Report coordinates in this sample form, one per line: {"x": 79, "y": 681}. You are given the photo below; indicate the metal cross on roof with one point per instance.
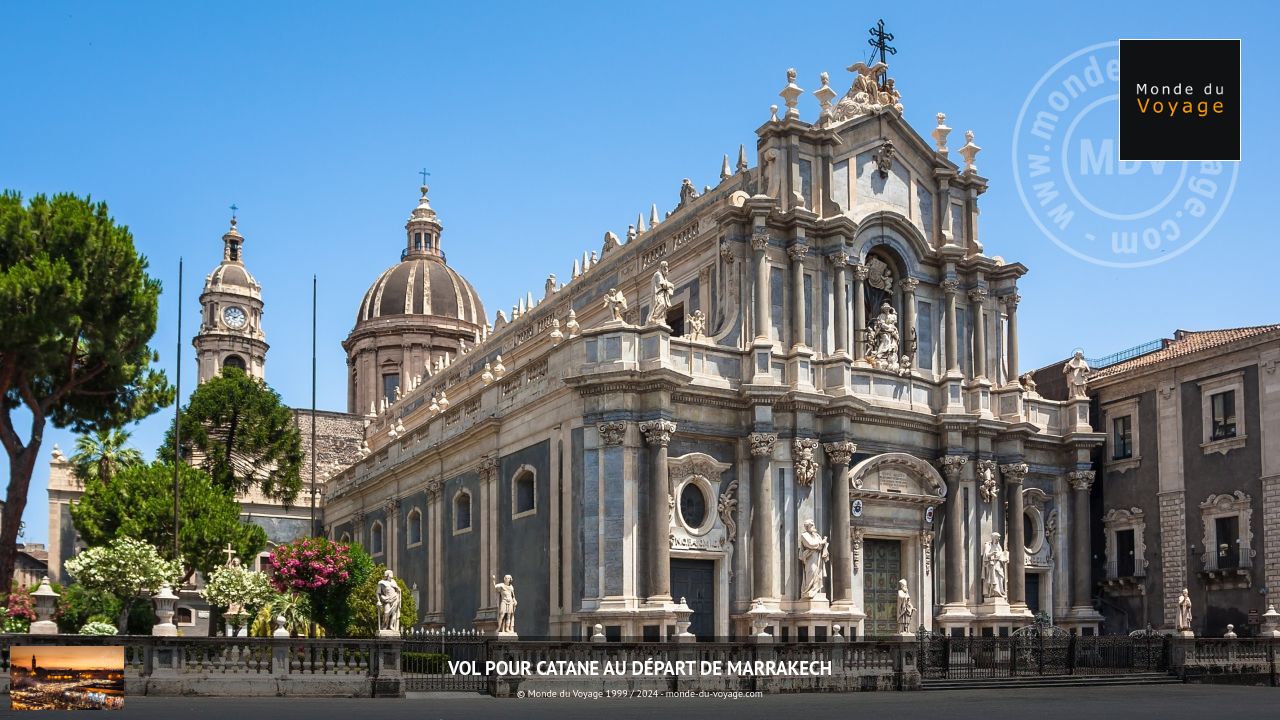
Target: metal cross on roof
{"x": 233, "y": 211}
{"x": 423, "y": 172}
{"x": 879, "y": 42}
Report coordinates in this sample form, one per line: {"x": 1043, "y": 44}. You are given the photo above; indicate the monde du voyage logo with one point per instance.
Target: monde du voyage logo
{"x": 1124, "y": 151}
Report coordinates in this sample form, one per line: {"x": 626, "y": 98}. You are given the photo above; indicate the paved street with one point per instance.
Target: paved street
{"x": 1166, "y": 702}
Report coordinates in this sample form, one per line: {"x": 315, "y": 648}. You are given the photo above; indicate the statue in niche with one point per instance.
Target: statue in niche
{"x": 995, "y": 562}
{"x": 506, "y": 604}
{"x": 1184, "y": 611}
{"x": 663, "y": 290}
{"x": 1077, "y": 372}
{"x": 388, "y": 604}
{"x": 815, "y": 555}
{"x": 906, "y": 609}
{"x": 616, "y": 302}
{"x": 882, "y": 351}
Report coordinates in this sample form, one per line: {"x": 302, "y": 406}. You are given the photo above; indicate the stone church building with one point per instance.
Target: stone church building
{"x": 821, "y": 338}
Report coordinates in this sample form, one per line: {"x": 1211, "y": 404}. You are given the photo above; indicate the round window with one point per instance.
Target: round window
{"x": 693, "y": 506}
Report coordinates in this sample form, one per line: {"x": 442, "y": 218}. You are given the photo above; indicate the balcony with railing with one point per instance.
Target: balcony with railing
{"x": 1125, "y": 576}
{"x": 1228, "y": 565}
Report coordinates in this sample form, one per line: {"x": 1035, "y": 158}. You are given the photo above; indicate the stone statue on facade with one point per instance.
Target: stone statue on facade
{"x": 883, "y": 348}
{"x": 616, "y": 302}
{"x": 388, "y": 605}
{"x": 1184, "y": 612}
{"x": 906, "y": 609}
{"x": 506, "y": 605}
{"x": 995, "y": 561}
{"x": 815, "y": 555}
{"x": 989, "y": 487}
{"x": 697, "y": 323}
{"x": 864, "y": 96}
{"x": 1028, "y": 382}
{"x": 1077, "y": 372}
{"x": 663, "y": 290}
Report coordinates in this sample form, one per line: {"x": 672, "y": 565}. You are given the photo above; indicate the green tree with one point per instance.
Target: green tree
{"x": 100, "y": 454}
{"x": 77, "y": 310}
{"x": 138, "y": 504}
{"x": 242, "y": 435}
{"x": 78, "y": 603}
{"x": 364, "y": 606}
{"x": 127, "y": 568}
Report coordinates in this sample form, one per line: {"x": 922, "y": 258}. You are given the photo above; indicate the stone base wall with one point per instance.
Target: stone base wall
{"x": 1173, "y": 551}
{"x": 1271, "y": 531}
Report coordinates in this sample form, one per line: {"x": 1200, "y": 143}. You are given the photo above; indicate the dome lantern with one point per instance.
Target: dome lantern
{"x": 423, "y": 230}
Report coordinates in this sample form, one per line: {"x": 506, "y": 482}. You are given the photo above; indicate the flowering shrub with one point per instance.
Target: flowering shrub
{"x": 15, "y": 624}
{"x": 128, "y": 569}
{"x": 20, "y": 604}
{"x": 233, "y": 587}
{"x": 98, "y": 628}
{"x": 325, "y": 572}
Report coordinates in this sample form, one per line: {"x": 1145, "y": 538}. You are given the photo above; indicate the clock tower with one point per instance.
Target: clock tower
{"x": 231, "y": 315}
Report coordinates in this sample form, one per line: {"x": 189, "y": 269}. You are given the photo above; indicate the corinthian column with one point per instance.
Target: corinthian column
{"x": 952, "y": 467}
{"x": 909, "y": 286}
{"x": 1013, "y": 475}
{"x": 760, "y": 241}
{"x": 763, "y": 544}
{"x": 796, "y": 252}
{"x": 657, "y": 433}
{"x": 951, "y": 287}
{"x": 1081, "y": 568}
{"x": 840, "y": 453}
{"x": 840, "y": 261}
{"x": 1011, "y": 310}
{"x": 860, "y": 273}
{"x": 976, "y": 297}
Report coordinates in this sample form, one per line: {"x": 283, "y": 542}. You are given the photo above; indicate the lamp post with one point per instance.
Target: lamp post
{"x": 164, "y": 603}
{"x": 46, "y": 602}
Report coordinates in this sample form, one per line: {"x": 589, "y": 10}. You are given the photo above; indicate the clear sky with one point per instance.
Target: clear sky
{"x": 544, "y": 125}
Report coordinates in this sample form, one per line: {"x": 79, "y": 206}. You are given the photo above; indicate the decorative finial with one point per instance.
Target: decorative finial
{"x": 825, "y": 95}
{"x": 940, "y": 134}
{"x": 969, "y": 152}
{"x": 773, "y": 113}
{"x": 653, "y": 215}
{"x": 233, "y": 214}
{"x": 725, "y": 173}
{"x": 791, "y": 95}
{"x": 742, "y": 158}
{"x": 640, "y": 228}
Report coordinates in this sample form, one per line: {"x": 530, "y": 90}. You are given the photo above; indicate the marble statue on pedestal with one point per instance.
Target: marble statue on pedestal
{"x": 814, "y": 554}
{"x": 995, "y": 561}
{"x": 506, "y": 605}
{"x": 1077, "y": 372}
{"x": 1184, "y": 611}
{"x": 617, "y": 304}
{"x": 883, "y": 348}
{"x": 663, "y": 290}
{"x": 906, "y": 609}
{"x": 388, "y": 605}
{"x": 697, "y": 324}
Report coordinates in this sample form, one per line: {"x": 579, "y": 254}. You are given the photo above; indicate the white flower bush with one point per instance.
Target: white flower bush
{"x": 237, "y": 588}
{"x": 127, "y": 568}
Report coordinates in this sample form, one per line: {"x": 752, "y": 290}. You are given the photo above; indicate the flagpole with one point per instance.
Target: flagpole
{"x": 177, "y": 418}
{"x": 313, "y": 406}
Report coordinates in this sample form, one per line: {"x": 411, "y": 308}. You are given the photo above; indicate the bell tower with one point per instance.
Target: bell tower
{"x": 231, "y": 315}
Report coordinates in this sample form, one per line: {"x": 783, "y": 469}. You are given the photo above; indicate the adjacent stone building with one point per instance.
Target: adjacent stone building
{"x": 1190, "y": 480}
{"x": 820, "y": 338}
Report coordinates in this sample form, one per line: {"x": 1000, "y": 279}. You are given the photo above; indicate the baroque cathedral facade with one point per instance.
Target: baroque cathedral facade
{"x": 768, "y": 407}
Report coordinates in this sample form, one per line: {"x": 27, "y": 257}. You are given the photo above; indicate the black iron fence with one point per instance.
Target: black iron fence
{"x": 444, "y": 660}
{"x": 973, "y": 657}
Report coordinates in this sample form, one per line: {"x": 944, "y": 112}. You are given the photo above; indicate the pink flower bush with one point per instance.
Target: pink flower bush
{"x": 310, "y": 564}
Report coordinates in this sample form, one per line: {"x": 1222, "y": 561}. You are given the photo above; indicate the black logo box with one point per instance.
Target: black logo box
{"x": 1161, "y": 77}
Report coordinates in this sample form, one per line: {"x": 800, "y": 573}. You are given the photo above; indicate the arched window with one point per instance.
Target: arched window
{"x": 414, "y": 527}
{"x": 183, "y": 616}
{"x": 375, "y": 538}
{"x": 461, "y": 512}
{"x": 524, "y": 492}
{"x": 345, "y": 539}
{"x": 234, "y": 361}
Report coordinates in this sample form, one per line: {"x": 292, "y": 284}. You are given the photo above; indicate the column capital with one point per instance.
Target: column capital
{"x": 839, "y": 258}
{"x": 860, "y": 272}
{"x": 657, "y": 432}
{"x": 759, "y": 238}
{"x": 358, "y": 519}
{"x": 951, "y": 286}
{"x": 796, "y": 251}
{"x": 1014, "y": 472}
{"x": 488, "y": 469}
{"x": 391, "y": 506}
{"x": 434, "y": 486}
{"x": 726, "y": 252}
{"x": 908, "y": 284}
{"x": 1081, "y": 479}
{"x": 1011, "y": 302}
{"x": 840, "y": 452}
{"x": 762, "y": 443}
{"x": 806, "y": 468}
{"x": 953, "y": 465}
{"x": 613, "y": 432}
{"x": 977, "y": 294}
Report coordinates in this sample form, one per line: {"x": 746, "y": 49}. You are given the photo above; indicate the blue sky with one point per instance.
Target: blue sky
{"x": 543, "y": 126}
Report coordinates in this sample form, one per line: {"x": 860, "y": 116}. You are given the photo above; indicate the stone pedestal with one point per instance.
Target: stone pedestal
{"x": 955, "y": 616}
{"x": 45, "y": 601}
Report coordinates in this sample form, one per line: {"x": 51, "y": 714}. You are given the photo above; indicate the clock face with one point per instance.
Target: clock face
{"x": 234, "y": 317}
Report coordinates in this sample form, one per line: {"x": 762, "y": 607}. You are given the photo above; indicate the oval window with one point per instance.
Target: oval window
{"x": 693, "y": 506}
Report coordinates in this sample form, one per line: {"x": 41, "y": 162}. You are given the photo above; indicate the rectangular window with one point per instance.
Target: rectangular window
{"x": 924, "y": 335}
{"x": 1224, "y": 415}
{"x": 1228, "y": 536}
{"x": 390, "y": 382}
{"x": 808, "y": 310}
{"x": 1124, "y": 553}
{"x": 963, "y": 342}
{"x": 1122, "y": 438}
{"x": 775, "y": 301}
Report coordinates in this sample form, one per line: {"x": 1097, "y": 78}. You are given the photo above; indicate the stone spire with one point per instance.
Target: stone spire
{"x": 423, "y": 230}
{"x": 742, "y": 158}
{"x": 725, "y": 173}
